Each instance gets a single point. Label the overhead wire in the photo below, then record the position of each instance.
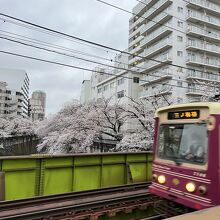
(54, 34)
(97, 44)
(83, 68)
(86, 60)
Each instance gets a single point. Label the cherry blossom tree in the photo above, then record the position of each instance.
(141, 112)
(17, 126)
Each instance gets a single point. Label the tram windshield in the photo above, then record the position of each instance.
(183, 143)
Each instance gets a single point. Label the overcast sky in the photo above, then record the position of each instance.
(88, 19)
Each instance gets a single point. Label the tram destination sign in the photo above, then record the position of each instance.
(193, 114)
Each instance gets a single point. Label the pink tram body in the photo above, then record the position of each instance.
(186, 164)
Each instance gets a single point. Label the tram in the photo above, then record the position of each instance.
(186, 163)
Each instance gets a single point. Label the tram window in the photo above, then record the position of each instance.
(183, 142)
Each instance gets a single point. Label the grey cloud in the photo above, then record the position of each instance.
(87, 19)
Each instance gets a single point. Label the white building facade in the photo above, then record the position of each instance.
(37, 105)
(15, 90)
(85, 96)
(182, 33)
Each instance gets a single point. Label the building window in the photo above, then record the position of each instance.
(99, 90)
(179, 53)
(105, 88)
(136, 79)
(120, 94)
(180, 38)
(180, 24)
(121, 81)
(180, 83)
(180, 9)
(112, 85)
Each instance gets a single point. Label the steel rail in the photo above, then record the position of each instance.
(70, 196)
(60, 208)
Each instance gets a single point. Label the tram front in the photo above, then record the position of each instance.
(184, 171)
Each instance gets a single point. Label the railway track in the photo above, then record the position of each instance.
(90, 205)
(79, 205)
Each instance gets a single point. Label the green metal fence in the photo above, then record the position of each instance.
(38, 175)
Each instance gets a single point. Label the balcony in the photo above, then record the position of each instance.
(191, 74)
(160, 19)
(159, 91)
(157, 8)
(200, 18)
(149, 3)
(155, 36)
(135, 59)
(195, 91)
(163, 45)
(136, 32)
(206, 62)
(207, 5)
(162, 60)
(138, 8)
(201, 45)
(135, 50)
(156, 77)
(138, 23)
(136, 41)
(208, 34)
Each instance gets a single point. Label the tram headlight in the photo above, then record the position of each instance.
(161, 179)
(190, 187)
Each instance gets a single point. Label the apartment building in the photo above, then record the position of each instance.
(15, 92)
(37, 105)
(10, 101)
(183, 33)
(117, 84)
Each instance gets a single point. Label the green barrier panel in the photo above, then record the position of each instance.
(20, 178)
(53, 174)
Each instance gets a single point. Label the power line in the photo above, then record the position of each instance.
(122, 9)
(97, 44)
(53, 51)
(87, 60)
(32, 40)
(53, 34)
(83, 68)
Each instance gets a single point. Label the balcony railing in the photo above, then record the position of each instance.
(206, 4)
(163, 44)
(204, 46)
(158, 91)
(137, 40)
(157, 77)
(162, 60)
(213, 35)
(213, 63)
(156, 35)
(202, 75)
(158, 20)
(204, 18)
(194, 91)
(137, 22)
(157, 8)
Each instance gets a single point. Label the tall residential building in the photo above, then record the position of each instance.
(14, 89)
(183, 33)
(37, 105)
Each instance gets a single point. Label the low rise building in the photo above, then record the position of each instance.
(15, 91)
(37, 105)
